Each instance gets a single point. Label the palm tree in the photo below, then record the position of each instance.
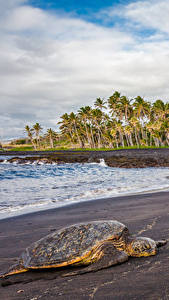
(125, 108)
(30, 135)
(113, 133)
(113, 102)
(100, 103)
(156, 133)
(84, 114)
(97, 116)
(141, 108)
(51, 135)
(136, 126)
(37, 129)
(142, 111)
(120, 130)
(158, 110)
(150, 128)
(74, 121)
(128, 132)
(165, 128)
(65, 126)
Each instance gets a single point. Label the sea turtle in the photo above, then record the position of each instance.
(95, 245)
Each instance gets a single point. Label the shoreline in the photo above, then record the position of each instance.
(66, 205)
(144, 214)
(88, 203)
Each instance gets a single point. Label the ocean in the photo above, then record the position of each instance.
(33, 187)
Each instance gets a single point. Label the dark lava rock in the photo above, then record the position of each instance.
(132, 158)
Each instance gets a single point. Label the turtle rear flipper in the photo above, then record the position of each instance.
(15, 269)
(107, 255)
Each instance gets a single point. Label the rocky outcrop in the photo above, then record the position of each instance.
(133, 158)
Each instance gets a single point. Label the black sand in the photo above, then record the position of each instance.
(139, 278)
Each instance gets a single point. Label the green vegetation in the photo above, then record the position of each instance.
(25, 148)
(19, 142)
(112, 149)
(116, 123)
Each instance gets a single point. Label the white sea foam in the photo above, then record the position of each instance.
(5, 161)
(36, 162)
(102, 162)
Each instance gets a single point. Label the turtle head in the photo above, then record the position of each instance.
(142, 246)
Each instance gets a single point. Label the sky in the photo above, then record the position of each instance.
(57, 56)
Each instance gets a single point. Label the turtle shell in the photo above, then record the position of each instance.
(70, 245)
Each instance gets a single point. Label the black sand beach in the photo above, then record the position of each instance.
(139, 278)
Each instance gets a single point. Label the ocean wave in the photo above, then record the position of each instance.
(26, 188)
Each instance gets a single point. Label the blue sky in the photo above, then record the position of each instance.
(85, 9)
(57, 56)
(81, 7)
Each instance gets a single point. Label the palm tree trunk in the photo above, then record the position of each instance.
(130, 139)
(34, 144)
(151, 139)
(99, 135)
(146, 137)
(99, 139)
(78, 137)
(122, 139)
(127, 140)
(156, 141)
(161, 142)
(51, 142)
(87, 134)
(71, 136)
(117, 144)
(139, 137)
(92, 138)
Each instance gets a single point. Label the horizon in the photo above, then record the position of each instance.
(58, 55)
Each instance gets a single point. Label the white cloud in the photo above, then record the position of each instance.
(51, 64)
(151, 14)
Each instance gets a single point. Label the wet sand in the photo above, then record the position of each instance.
(139, 278)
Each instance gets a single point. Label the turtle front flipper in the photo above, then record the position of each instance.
(15, 269)
(105, 256)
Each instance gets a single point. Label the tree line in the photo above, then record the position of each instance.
(38, 141)
(112, 123)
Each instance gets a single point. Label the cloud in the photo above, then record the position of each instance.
(52, 63)
(149, 14)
